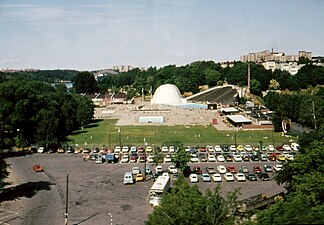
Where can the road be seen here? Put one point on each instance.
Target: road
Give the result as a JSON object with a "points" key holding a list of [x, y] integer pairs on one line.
{"points": [[96, 191]]}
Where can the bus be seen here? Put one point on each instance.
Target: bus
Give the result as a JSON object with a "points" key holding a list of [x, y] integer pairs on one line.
{"points": [[160, 186]]}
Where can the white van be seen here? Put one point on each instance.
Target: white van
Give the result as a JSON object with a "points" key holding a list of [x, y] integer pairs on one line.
{"points": [[41, 150], [128, 178]]}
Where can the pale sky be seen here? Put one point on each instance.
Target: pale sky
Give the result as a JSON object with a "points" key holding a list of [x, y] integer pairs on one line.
{"points": [[98, 34]]}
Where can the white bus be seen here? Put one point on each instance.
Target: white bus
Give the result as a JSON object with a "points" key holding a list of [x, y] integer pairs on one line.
{"points": [[160, 186]]}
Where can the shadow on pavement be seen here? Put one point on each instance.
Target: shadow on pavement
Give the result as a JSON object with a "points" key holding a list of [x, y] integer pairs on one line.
{"points": [[86, 219], [27, 190]]}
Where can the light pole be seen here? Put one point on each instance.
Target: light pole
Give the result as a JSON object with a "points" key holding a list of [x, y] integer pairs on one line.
{"points": [[67, 199], [145, 159], [119, 133]]}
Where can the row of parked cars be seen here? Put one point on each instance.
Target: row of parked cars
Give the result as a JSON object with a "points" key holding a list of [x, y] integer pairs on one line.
{"points": [[230, 173]]}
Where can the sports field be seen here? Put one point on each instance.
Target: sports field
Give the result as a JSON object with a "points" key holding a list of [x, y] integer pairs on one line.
{"points": [[105, 132]]}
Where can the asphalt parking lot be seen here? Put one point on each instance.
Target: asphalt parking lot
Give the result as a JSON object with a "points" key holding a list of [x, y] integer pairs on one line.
{"points": [[97, 194]]}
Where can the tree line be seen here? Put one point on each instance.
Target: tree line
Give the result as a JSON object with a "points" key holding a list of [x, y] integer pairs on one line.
{"points": [[34, 112]]}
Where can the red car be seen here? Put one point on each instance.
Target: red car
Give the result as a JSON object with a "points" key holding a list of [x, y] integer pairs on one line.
{"points": [[257, 169], [197, 170], [231, 169], [37, 168], [280, 148]]}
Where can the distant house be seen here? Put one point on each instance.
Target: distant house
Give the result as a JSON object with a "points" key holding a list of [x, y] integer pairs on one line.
{"points": [[108, 99]]}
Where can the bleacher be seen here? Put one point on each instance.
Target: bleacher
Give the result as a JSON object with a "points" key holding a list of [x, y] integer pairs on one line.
{"points": [[224, 95]]}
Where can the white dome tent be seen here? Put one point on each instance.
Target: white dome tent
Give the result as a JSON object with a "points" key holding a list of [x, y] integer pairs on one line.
{"points": [[167, 94]]}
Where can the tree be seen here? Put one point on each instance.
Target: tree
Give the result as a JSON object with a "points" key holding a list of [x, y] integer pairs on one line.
{"points": [[181, 158], [85, 110], [185, 204], [3, 172], [85, 82], [212, 77], [274, 85], [255, 87], [304, 181]]}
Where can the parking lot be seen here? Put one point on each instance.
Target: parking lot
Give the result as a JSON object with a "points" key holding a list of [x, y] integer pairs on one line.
{"points": [[96, 191]]}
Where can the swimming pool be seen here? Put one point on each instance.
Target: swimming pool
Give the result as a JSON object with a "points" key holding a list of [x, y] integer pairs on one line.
{"points": [[192, 106]]}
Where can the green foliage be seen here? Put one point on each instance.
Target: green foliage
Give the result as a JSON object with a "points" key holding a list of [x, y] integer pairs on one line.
{"points": [[304, 181], [181, 158], [32, 111], [84, 82], [185, 204], [255, 87], [3, 172]]}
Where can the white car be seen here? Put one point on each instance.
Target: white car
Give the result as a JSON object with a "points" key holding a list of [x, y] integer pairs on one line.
{"points": [[295, 146], [287, 147], [211, 158], [248, 148], [158, 169], [167, 159], [220, 158], [172, 169], [210, 148], [240, 177], [232, 148], [216, 177], [124, 159], [133, 149], [171, 149], [117, 149], [221, 169], [229, 177], [150, 159], [165, 149], [125, 149], [136, 170], [193, 178], [218, 148], [194, 158], [271, 148], [290, 157], [237, 158], [277, 167]]}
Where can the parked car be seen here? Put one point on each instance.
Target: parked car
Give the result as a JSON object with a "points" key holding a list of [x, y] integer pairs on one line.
{"points": [[240, 177], [257, 169], [211, 169], [194, 158], [196, 170], [221, 169], [231, 169], [167, 158], [211, 158], [270, 148], [220, 158], [37, 168], [243, 169], [148, 170], [237, 158], [218, 148], [229, 177], [263, 157], [216, 177], [281, 158], [205, 177], [248, 148], [124, 159], [264, 176], [268, 168], [136, 170], [193, 178], [159, 169], [251, 177], [203, 157], [172, 169], [139, 177], [277, 167]]}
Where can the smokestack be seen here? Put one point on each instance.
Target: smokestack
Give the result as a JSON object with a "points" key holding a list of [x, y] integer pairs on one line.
{"points": [[249, 79]]}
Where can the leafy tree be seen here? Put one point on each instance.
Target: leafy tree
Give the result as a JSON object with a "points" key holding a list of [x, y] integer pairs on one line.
{"points": [[212, 77], [3, 172], [185, 204], [255, 87], [85, 82], [181, 158], [304, 181], [84, 113]]}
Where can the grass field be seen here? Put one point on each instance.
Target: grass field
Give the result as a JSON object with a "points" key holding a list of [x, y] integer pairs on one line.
{"points": [[105, 132]]}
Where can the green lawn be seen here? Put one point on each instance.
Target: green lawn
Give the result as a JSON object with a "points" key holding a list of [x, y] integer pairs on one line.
{"points": [[105, 132]]}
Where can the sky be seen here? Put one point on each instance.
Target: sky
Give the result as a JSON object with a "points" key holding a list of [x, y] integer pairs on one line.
{"points": [[98, 34]]}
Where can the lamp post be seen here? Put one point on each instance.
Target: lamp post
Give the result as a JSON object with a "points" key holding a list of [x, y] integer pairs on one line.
{"points": [[67, 199], [119, 134], [145, 143]]}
